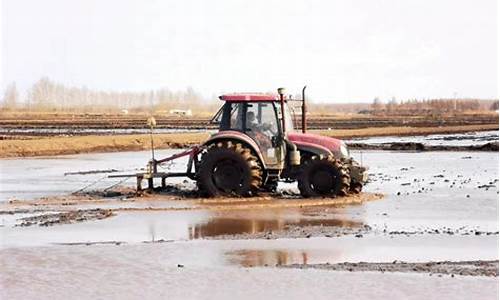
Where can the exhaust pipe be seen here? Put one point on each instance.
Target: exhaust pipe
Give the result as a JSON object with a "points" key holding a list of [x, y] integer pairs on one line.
{"points": [[304, 109], [281, 92]]}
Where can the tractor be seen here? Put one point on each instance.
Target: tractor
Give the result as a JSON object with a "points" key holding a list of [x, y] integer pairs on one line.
{"points": [[257, 146]]}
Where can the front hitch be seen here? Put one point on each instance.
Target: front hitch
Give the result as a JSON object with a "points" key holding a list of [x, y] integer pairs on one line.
{"points": [[359, 173]]}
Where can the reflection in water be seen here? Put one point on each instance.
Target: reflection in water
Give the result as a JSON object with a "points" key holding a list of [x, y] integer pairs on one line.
{"points": [[230, 226], [273, 257]]}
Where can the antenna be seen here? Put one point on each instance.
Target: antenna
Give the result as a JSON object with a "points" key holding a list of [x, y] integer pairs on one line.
{"points": [[152, 124]]}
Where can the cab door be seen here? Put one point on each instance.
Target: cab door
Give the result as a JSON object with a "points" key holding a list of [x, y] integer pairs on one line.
{"points": [[261, 124]]}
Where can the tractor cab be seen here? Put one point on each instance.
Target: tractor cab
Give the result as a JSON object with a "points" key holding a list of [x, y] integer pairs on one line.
{"points": [[258, 117]]}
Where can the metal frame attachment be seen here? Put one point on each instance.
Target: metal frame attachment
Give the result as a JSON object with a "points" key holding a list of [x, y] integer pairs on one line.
{"points": [[152, 169]]}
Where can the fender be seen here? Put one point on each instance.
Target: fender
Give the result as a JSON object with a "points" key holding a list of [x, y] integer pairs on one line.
{"points": [[237, 136], [316, 144], [312, 148]]}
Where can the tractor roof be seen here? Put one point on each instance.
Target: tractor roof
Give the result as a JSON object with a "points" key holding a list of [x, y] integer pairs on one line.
{"points": [[237, 97]]}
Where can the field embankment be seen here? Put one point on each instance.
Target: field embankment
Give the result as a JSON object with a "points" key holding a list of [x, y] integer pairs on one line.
{"points": [[44, 146]]}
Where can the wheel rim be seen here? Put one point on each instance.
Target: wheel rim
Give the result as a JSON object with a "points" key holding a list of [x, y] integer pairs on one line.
{"points": [[227, 176], [322, 181]]}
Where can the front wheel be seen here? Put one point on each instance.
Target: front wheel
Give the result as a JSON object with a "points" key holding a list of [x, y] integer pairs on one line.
{"points": [[323, 176]]}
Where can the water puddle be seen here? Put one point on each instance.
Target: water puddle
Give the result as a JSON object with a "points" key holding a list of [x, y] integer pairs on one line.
{"points": [[230, 226], [273, 257], [368, 249], [153, 226]]}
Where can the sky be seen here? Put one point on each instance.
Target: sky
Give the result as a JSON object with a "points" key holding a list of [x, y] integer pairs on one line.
{"points": [[344, 50]]}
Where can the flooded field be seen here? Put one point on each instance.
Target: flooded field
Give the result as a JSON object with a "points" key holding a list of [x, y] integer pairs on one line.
{"points": [[45, 132], [462, 139], [30, 178], [418, 208]]}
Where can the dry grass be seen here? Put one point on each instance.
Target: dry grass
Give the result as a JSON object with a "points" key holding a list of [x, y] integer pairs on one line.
{"points": [[87, 144]]}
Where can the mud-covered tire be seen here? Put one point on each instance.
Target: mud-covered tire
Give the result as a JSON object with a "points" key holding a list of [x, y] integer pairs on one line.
{"points": [[356, 187], [323, 176], [228, 168]]}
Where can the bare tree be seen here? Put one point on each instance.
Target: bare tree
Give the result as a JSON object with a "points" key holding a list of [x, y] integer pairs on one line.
{"points": [[391, 105], [377, 105], [494, 105], [11, 97]]}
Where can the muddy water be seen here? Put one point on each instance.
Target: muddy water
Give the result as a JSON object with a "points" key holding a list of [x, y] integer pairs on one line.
{"points": [[201, 270], [136, 227], [455, 194], [436, 189], [448, 192], [462, 139], [216, 227], [370, 249], [30, 178]]}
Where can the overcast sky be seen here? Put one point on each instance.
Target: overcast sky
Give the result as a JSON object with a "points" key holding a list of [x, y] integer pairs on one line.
{"points": [[343, 50]]}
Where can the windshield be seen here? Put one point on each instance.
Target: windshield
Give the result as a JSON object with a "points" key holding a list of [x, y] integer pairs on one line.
{"points": [[288, 117]]}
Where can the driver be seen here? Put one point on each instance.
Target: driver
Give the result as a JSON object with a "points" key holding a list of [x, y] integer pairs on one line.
{"points": [[252, 121], [254, 125]]}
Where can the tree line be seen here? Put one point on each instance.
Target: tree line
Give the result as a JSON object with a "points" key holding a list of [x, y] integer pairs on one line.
{"points": [[431, 106], [46, 95], [49, 96]]}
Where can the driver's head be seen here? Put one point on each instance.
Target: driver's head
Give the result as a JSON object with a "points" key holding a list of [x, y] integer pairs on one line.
{"points": [[250, 116]]}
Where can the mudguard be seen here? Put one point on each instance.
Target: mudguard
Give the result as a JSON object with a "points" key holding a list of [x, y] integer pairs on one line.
{"points": [[312, 148], [237, 136], [316, 144]]}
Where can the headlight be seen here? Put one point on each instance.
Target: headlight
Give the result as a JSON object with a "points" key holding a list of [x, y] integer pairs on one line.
{"points": [[343, 150]]}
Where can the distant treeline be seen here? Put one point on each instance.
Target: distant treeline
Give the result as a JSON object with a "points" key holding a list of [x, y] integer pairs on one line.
{"points": [[46, 95], [49, 96], [431, 106], [408, 107]]}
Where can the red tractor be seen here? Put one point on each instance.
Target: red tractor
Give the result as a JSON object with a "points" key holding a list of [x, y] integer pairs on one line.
{"points": [[257, 146]]}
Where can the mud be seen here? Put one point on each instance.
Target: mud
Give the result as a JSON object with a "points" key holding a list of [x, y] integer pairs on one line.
{"points": [[463, 268], [77, 124], [411, 146], [69, 217], [329, 229], [245, 229], [127, 199]]}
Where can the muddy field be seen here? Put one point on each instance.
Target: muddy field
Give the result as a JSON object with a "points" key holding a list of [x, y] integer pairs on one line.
{"points": [[25, 146], [464, 268], [98, 124], [427, 223]]}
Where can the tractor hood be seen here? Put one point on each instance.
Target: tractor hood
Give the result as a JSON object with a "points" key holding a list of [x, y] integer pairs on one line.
{"points": [[336, 146]]}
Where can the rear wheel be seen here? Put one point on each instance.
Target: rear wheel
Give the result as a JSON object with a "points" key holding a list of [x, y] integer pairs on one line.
{"points": [[229, 168], [323, 176]]}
